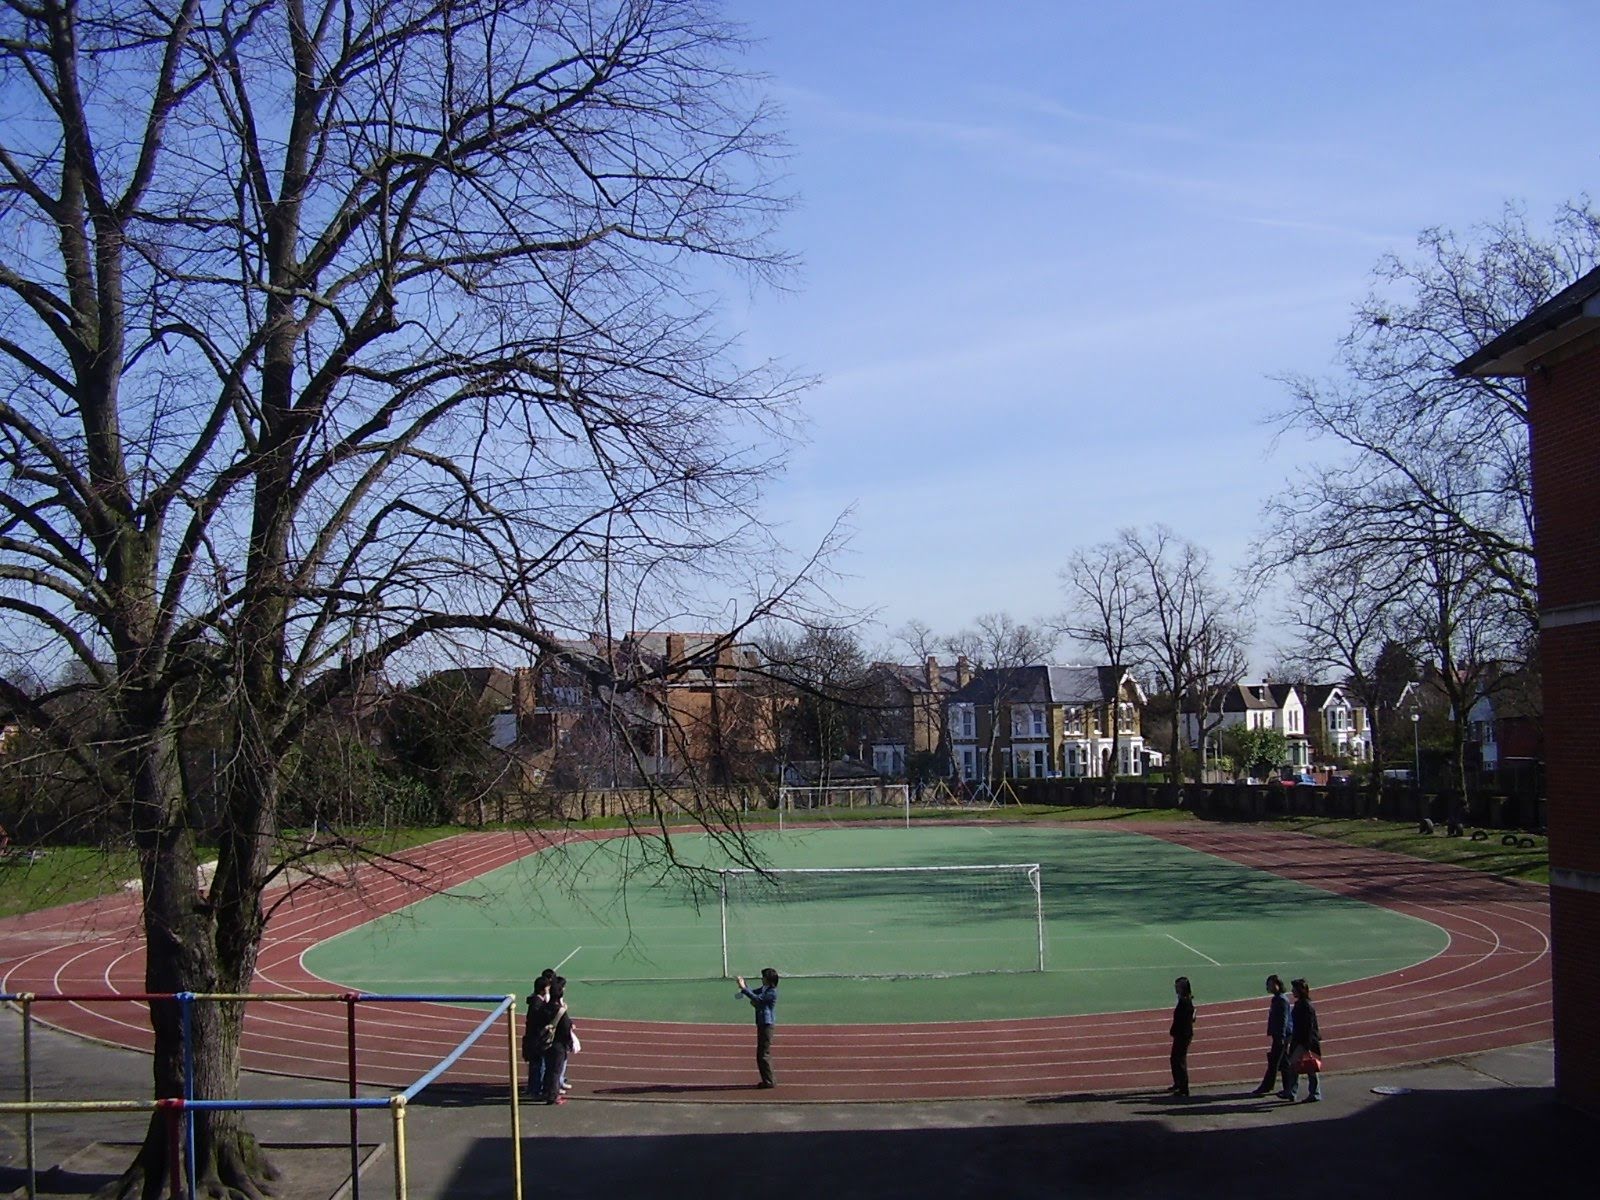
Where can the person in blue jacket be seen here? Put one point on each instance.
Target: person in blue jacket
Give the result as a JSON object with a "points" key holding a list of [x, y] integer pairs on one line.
{"points": [[764, 1000], [1278, 1031]]}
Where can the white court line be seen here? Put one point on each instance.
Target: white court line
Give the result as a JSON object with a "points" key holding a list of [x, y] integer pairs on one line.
{"points": [[568, 959], [1192, 950]]}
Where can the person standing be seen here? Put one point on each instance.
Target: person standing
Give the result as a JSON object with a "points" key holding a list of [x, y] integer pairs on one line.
{"points": [[1305, 1046], [1278, 1031], [559, 1024], [1182, 1033], [533, 1045], [764, 1000]]}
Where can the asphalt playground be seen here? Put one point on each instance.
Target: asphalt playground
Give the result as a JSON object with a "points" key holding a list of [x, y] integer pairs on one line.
{"points": [[1478, 1125]]}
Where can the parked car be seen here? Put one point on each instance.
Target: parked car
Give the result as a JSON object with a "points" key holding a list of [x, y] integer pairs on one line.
{"points": [[1294, 778]]}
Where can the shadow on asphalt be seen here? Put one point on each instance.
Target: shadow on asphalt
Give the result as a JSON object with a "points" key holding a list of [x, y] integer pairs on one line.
{"points": [[1500, 1143]]}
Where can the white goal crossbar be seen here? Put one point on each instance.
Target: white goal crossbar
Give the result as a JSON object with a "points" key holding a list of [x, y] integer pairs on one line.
{"points": [[796, 797], [775, 875]]}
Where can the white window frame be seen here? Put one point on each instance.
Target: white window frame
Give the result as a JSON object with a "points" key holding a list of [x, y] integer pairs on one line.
{"points": [[963, 722], [1028, 721]]}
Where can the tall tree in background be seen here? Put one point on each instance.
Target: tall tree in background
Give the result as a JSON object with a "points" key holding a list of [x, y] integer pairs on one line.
{"points": [[825, 672], [1190, 633], [1427, 457], [1106, 601], [1347, 610], [329, 332], [1000, 645]]}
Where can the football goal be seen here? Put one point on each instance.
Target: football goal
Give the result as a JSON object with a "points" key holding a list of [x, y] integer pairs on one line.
{"points": [[824, 799], [883, 922]]}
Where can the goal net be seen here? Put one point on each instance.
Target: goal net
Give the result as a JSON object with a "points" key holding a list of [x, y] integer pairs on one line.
{"points": [[883, 922], [843, 795]]}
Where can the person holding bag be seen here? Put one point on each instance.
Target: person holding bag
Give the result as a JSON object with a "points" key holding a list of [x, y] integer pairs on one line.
{"points": [[1305, 1046], [556, 1036]]}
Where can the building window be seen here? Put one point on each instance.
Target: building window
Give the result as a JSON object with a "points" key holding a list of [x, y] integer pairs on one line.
{"points": [[969, 762], [889, 760], [1074, 720], [1027, 721], [1125, 717], [1031, 762], [964, 722]]}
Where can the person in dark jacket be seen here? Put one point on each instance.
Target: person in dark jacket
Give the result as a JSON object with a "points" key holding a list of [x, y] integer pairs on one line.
{"points": [[1182, 1033], [532, 1050], [764, 1000], [559, 1021], [1305, 1036], [1278, 1031]]}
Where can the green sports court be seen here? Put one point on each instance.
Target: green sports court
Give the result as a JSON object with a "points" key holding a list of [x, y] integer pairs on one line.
{"points": [[1122, 914]]}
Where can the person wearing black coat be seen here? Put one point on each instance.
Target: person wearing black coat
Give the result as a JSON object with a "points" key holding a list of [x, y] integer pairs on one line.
{"points": [[1182, 1033], [532, 1051], [1305, 1037], [555, 1057]]}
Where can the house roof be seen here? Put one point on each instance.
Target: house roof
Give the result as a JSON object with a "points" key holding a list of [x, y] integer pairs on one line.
{"points": [[1280, 693], [1320, 695], [1242, 697], [1045, 685], [914, 677], [486, 685], [649, 651], [1571, 313]]}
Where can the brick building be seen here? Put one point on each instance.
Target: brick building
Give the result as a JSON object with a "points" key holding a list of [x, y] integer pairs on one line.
{"points": [[1556, 348]]}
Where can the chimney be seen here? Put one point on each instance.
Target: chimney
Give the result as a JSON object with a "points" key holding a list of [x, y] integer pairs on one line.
{"points": [[674, 651], [963, 671], [524, 697], [931, 672]]}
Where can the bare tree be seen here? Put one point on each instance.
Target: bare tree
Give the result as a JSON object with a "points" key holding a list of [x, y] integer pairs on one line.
{"points": [[1425, 454], [1455, 616], [1347, 609], [1218, 662], [330, 333], [825, 670], [1106, 601], [1001, 646], [1190, 632]]}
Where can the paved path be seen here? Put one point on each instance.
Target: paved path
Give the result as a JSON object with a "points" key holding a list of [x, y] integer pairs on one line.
{"points": [[1478, 1126]]}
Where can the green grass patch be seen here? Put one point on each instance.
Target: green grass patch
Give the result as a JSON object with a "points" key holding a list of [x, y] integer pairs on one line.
{"points": [[62, 875], [58, 875], [1531, 864]]}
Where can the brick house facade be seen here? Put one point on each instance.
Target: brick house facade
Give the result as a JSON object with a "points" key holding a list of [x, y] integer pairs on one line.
{"points": [[1046, 722], [910, 732], [1556, 348]]}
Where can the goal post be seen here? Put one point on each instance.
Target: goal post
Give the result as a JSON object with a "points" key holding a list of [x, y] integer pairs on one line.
{"points": [[866, 794], [883, 922]]}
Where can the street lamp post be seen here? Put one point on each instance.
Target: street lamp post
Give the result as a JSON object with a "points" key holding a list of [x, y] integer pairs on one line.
{"points": [[1416, 750]]}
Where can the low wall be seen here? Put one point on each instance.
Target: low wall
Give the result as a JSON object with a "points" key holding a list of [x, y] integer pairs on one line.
{"points": [[1262, 802]]}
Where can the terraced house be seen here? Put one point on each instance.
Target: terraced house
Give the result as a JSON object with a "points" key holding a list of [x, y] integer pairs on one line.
{"points": [[1046, 722]]}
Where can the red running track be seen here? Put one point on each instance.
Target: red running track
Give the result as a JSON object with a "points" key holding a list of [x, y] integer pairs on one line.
{"points": [[1489, 988]]}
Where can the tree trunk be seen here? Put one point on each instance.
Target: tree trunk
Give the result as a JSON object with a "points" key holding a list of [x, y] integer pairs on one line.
{"points": [[186, 928]]}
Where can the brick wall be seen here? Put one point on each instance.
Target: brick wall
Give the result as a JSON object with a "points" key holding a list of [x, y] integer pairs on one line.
{"points": [[1564, 400]]}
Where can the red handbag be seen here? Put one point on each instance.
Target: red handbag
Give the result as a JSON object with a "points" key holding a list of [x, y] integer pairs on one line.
{"points": [[1305, 1062]]}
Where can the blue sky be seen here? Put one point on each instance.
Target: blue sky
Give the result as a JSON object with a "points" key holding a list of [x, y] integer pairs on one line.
{"points": [[1054, 252]]}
